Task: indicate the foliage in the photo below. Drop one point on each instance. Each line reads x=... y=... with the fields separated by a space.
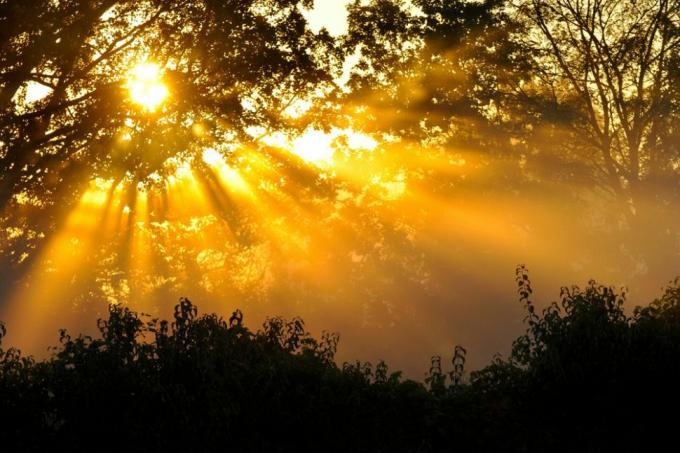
x=586 y=89
x=585 y=377
x=232 y=67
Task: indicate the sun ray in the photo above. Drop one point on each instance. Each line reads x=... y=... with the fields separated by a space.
x=49 y=283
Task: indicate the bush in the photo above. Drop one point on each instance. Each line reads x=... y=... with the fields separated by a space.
x=585 y=377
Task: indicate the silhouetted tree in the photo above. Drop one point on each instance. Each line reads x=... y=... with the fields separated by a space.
x=585 y=376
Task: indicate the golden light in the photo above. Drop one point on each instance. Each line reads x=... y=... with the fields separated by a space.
x=36 y=91
x=357 y=141
x=198 y=129
x=212 y=157
x=228 y=175
x=315 y=146
x=146 y=86
x=318 y=147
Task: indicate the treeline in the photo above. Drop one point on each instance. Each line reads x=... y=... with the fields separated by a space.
x=585 y=377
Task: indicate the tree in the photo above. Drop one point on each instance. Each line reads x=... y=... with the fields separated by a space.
x=592 y=84
x=429 y=70
x=231 y=68
x=577 y=100
x=614 y=65
x=581 y=377
x=452 y=88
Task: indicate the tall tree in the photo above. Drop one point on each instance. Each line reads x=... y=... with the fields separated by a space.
x=613 y=63
x=231 y=68
x=451 y=78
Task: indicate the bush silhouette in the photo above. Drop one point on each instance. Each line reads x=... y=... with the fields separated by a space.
x=584 y=377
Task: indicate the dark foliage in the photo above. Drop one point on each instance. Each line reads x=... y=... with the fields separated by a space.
x=585 y=377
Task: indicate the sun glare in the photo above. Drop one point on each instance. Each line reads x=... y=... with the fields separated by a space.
x=315 y=146
x=36 y=91
x=318 y=147
x=146 y=86
x=212 y=157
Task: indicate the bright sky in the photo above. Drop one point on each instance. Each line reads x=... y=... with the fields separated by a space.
x=330 y=14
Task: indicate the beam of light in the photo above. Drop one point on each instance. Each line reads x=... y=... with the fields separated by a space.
x=140 y=244
x=227 y=174
x=146 y=86
x=49 y=288
x=131 y=246
x=185 y=199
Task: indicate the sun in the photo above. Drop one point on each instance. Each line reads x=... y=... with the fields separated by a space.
x=146 y=86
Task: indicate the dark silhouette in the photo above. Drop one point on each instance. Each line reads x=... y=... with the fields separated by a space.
x=585 y=377
x=477 y=102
